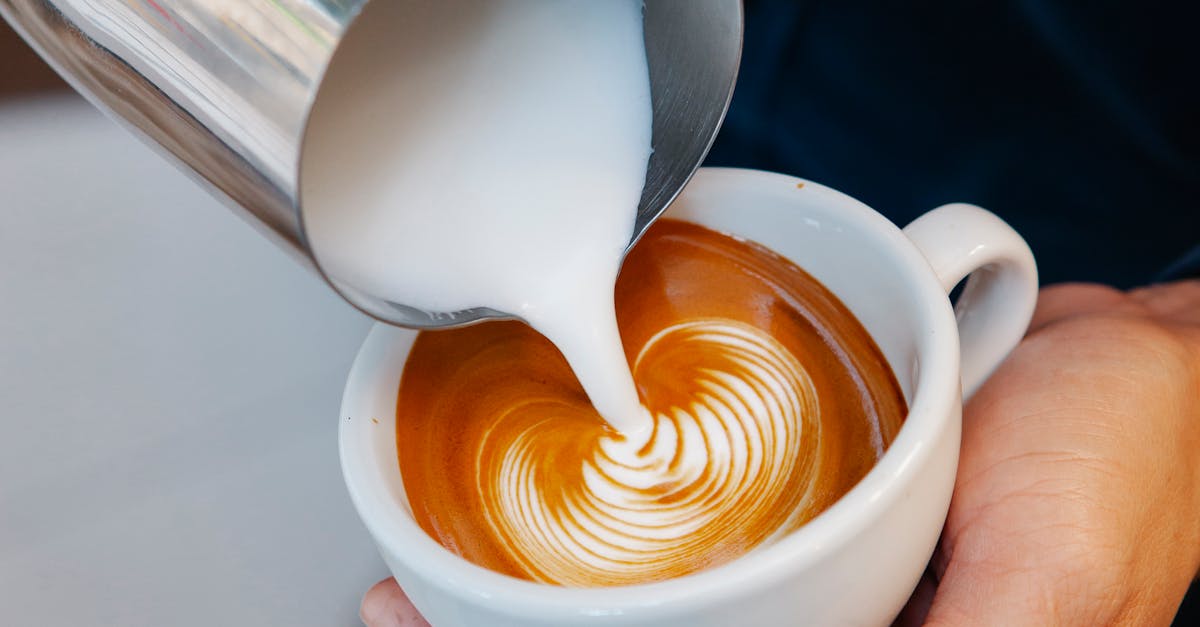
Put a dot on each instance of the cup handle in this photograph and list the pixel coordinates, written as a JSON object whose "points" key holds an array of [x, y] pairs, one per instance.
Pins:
{"points": [[997, 302]]}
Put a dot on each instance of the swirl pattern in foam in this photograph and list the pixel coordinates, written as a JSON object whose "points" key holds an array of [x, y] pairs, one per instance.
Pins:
{"points": [[727, 461], [768, 402]]}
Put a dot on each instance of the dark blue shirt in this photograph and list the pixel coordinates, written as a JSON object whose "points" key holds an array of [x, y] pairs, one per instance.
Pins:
{"points": [[1077, 122]]}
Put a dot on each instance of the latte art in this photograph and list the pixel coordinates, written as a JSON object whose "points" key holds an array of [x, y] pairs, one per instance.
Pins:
{"points": [[726, 461], [766, 398]]}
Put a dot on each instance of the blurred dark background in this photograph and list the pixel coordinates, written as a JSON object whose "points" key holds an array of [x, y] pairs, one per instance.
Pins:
{"points": [[1076, 122], [1077, 126]]}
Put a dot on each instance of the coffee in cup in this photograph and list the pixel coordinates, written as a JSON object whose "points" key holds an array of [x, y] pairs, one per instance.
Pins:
{"points": [[857, 562], [769, 402]]}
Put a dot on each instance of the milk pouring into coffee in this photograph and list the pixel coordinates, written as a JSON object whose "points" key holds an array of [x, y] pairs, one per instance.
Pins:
{"points": [[469, 154], [499, 163], [515, 141]]}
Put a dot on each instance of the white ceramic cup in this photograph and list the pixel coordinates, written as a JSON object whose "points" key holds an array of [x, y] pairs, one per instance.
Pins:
{"points": [[856, 563]]}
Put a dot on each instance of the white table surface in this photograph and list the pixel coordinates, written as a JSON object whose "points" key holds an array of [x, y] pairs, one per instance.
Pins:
{"points": [[169, 387]]}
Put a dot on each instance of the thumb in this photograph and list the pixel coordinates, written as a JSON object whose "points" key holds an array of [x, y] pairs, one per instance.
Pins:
{"points": [[385, 605]]}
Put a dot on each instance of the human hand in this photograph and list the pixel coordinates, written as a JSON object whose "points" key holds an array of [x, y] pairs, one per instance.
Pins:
{"points": [[1078, 489], [385, 605]]}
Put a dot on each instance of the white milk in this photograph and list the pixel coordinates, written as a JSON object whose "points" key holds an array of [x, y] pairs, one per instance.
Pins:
{"points": [[467, 153]]}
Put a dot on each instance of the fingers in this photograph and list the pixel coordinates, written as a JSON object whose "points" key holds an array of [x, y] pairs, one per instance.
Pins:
{"points": [[1179, 301], [1068, 300], [385, 605]]}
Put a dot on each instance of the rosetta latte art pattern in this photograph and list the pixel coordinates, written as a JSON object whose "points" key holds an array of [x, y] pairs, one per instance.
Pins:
{"points": [[769, 401], [728, 461]]}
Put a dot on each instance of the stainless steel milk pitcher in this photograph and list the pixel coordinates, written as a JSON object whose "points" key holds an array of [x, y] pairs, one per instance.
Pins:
{"points": [[225, 87]]}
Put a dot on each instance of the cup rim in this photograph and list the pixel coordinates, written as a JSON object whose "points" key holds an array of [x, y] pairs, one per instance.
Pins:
{"points": [[936, 389]]}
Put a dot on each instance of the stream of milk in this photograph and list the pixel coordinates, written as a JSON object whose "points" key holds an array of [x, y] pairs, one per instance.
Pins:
{"points": [[468, 153]]}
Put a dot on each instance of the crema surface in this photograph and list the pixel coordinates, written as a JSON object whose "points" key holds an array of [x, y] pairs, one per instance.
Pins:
{"points": [[768, 402]]}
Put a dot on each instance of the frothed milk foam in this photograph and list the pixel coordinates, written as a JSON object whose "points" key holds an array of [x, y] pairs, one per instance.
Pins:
{"points": [[492, 153], [489, 153]]}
